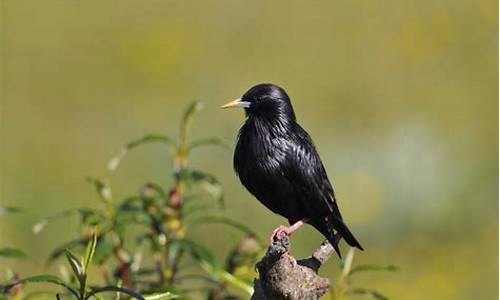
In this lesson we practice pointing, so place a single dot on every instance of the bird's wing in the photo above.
(304, 169)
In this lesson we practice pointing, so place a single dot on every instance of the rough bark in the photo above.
(281, 276)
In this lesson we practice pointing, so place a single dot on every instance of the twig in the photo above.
(281, 276)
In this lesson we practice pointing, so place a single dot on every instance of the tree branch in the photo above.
(281, 276)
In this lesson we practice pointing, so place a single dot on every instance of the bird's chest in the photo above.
(261, 166)
(258, 158)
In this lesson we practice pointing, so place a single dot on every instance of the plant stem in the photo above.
(123, 267)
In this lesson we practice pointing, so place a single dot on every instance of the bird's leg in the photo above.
(288, 230)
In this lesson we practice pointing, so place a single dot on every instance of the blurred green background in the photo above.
(401, 98)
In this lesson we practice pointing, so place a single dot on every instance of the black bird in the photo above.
(277, 162)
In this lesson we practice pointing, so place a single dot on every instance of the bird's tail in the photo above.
(346, 234)
(334, 240)
(342, 232)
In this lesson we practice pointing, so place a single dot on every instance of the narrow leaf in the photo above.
(89, 253)
(188, 210)
(76, 265)
(103, 251)
(103, 189)
(210, 184)
(9, 209)
(151, 138)
(12, 253)
(347, 262)
(40, 225)
(188, 118)
(214, 141)
(131, 204)
(363, 268)
(235, 282)
(210, 265)
(148, 138)
(161, 296)
(367, 292)
(43, 278)
(114, 289)
(156, 188)
(57, 252)
(198, 252)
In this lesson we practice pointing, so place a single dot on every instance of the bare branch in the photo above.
(281, 276)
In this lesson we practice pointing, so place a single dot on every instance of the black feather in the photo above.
(277, 162)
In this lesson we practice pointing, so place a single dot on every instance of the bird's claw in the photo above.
(280, 230)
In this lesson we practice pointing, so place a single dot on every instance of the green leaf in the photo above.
(90, 217)
(43, 278)
(76, 265)
(151, 138)
(367, 292)
(103, 251)
(9, 210)
(363, 268)
(210, 265)
(235, 282)
(198, 252)
(214, 141)
(89, 253)
(40, 225)
(188, 118)
(207, 181)
(114, 289)
(223, 220)
(156, 188)
(161, 296)
(128, 217)
(103, 189)
(12, 253)
(114, 162)
(131, 204)
(57, 252)
(188, 210)
(346, 263)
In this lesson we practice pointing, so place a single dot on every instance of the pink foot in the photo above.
(282, 229)
(288, 230)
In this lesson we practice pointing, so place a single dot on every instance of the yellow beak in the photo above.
(236, 103)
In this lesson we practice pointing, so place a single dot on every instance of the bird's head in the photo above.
(265, 100)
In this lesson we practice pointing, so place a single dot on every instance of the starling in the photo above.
(277, 162)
